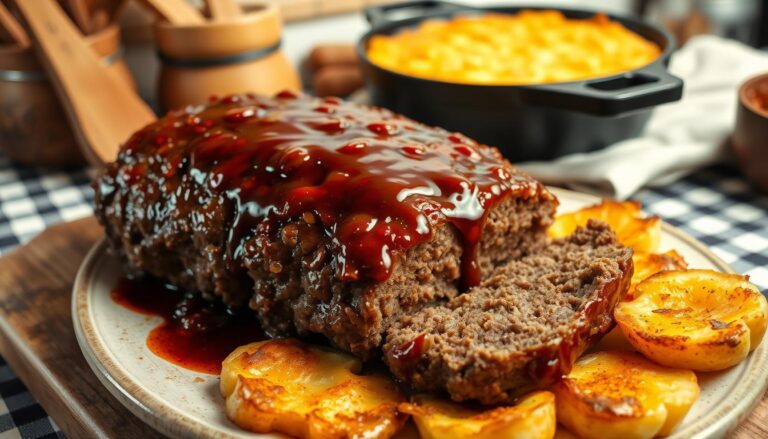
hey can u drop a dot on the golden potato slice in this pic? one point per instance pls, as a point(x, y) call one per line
point(696, 319)
point(632, 229)
point(648, 264)
point(308, 392)
point(533, 417)
point(624, 396)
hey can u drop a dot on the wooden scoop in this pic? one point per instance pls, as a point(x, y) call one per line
point(224, 9)
point(177, 12)
point(10, 29)
point(102, 110)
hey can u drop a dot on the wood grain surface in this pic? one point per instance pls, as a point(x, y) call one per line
point(38, 341)
point(756, 425)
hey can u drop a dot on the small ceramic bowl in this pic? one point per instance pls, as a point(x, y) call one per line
point(223, 57)
point(750, 137)
point(33, 125)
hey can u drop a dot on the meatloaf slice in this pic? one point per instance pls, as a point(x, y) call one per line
point(522, 328)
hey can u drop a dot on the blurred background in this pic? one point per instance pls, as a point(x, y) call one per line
point(309, 22)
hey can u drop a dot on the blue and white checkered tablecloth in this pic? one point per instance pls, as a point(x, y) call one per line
point(716, 206)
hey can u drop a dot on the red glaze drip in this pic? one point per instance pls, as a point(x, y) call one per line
point(378, 183)
point(408, 353)
point(195, 334)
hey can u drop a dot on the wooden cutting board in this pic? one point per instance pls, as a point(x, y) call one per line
point(38, 342)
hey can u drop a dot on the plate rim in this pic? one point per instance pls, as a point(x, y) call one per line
point(726, 416)
point(162, 417)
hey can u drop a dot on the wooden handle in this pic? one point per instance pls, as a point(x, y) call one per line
point(176, 11)
point(79, 13)
point(103, 12)
point(224, 9)
point(10, 29)
point(102, 109)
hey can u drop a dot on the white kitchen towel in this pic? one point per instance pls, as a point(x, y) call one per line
point(680, 137)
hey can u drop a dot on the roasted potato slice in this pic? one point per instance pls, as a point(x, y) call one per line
point(533, 417)
point(697, 319)
point(308, 392)
point(648, 264)
point(632, 229)
point(624, 396)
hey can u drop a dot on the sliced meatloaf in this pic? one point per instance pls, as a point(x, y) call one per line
point(323, 216)
point(296, 289)
point(522, 328)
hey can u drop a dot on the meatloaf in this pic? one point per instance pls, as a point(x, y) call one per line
point(522, 328)
point(323, 216)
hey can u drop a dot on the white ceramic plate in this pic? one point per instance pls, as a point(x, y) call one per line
point(182, 403)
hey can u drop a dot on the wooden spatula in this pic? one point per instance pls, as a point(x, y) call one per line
point(224, 9)
point(103, 111)
point(10, 29)
point(176, 12)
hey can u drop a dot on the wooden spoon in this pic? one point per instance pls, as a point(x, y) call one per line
point(101, 109)
point(10, 29)
point(224, 9)
point(176, 12)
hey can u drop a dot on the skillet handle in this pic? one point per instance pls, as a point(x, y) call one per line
point(379, 15)
point(646, 87)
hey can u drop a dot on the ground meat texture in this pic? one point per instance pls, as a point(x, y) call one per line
point(296, 292)
point(323, 216)
point(522, 328)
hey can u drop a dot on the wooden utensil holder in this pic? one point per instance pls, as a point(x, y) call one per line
point(223, 57)
point(33, 126)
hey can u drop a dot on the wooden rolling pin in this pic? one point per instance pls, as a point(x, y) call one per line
point(335, 70)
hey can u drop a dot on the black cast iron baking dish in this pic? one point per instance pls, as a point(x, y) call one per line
point(527, 122)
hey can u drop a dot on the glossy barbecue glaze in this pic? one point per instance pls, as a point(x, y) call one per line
point(378, 183)
point(194, 334)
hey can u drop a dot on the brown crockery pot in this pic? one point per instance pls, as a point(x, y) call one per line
point(750, 137)
point(33, 126)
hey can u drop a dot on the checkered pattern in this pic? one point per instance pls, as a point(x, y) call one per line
point(31, 200)
point(20, 415)
point(719, 208)
point(715, 205)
